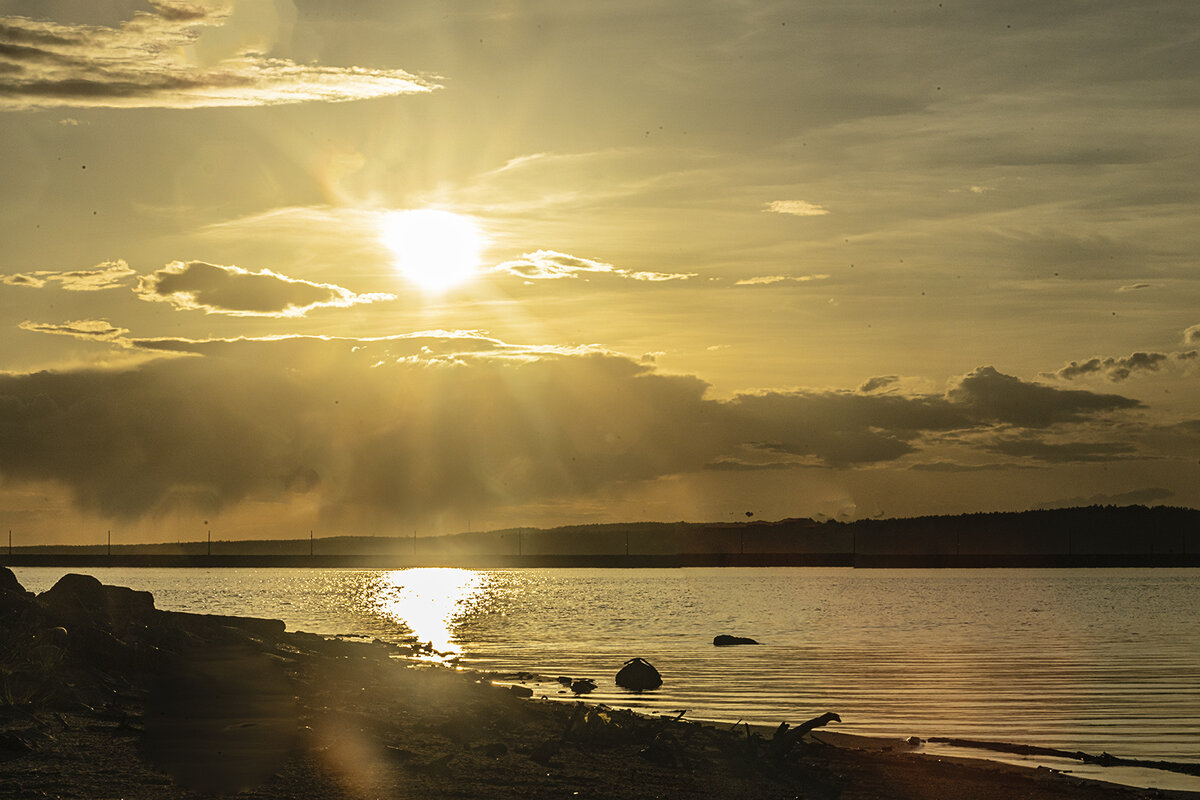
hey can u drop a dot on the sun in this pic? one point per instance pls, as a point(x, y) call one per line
point(434, 249)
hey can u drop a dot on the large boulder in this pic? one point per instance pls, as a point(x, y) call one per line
point(13, 597)
point(639, 675)
point(82, 599)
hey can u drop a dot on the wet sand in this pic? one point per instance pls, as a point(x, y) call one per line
point(101, 695)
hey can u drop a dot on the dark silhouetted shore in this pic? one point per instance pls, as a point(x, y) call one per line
point(103, 695)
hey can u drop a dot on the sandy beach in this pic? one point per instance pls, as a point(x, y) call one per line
point(105, 696)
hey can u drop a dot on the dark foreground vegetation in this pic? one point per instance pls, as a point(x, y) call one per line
point(102, 696)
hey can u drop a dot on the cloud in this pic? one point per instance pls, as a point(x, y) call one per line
point(951, 466)
point(1192, 335)
point(1149, 496)
point(403, 427)
point(1060, 452)
point(878, 382)
point(106, 275)
point(151, 61)
point(543, 265)
point(768, 280)
point(1134, 287)
point(989, 395)
point(99, 330)
point(797, 208)
point(1118, 369)
point(215, 289)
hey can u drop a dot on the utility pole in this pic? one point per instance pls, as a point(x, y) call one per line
point(310, 543)
point(520, 547)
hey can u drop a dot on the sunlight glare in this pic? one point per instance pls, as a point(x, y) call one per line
point(427, 600)
point(434, 249)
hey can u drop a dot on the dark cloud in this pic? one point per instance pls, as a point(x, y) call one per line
point(1118, 369)
point(1061, 452)
point(878, 382)
point(990, 395)
point(378, 429)
point(216, 289)
point(139, 65)
point(950, 466)
point(1192, 335)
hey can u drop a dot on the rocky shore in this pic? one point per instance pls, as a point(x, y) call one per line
point(104, 696)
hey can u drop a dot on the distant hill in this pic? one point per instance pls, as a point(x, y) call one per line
point(1095, 535)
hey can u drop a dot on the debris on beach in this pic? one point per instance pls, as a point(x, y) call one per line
point(583, 686)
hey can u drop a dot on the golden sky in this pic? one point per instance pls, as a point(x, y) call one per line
point(378, 267)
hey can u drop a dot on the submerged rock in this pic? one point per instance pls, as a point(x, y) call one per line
point(725, 640)
point(583, 686)
point(639, 675)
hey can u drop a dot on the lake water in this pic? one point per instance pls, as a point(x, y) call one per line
point(1092, 660)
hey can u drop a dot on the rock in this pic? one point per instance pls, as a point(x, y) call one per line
point(13, 597)
point(638, 675)
point(583, 686)
point(725, 640)
point(521, 691)
point(82, 598)
point(564, 680)
point(9, 582)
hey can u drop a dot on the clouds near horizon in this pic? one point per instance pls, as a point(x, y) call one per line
point(408, 425)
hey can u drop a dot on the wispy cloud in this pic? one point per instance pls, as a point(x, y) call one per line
point(147, 62)
point(797, 208)
point(769, 280)
point(216, 289)
point(93, 330)
point(107, 275)
point(543, 265)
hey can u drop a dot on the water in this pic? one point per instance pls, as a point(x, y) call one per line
point(1092, 660)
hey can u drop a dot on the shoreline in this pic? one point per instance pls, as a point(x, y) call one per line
point(602, 561)
point(106, 695)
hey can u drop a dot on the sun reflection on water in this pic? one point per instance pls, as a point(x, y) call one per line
point(427, 601)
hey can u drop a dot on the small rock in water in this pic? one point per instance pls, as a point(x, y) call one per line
point(583, 686)
point(725, 640)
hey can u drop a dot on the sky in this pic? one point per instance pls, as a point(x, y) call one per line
point(367, 267)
